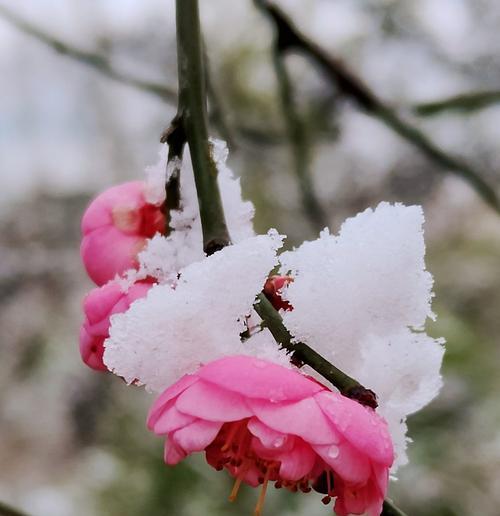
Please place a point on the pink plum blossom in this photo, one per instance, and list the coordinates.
(115, 227)
(99, 305)
(263, 422)
(272, 290)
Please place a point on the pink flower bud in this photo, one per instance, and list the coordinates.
(272, 290)
(115, 227)
(99, 305)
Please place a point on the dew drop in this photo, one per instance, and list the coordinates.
(333, 452)
(279, 441)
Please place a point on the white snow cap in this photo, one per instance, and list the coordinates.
(163, 257)
(175, 329)
(361, 300)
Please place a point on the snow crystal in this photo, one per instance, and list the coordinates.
(163, 257)
(175, 329)
(359, 297)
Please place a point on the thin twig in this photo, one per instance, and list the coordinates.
(303, 354)
(192, 112)
(465, 102)
(8, 510)
(352, 87)
(92, 59)
(299, 142)
(389, 509)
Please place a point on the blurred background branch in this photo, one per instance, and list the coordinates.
(92, 59)
(465, 102)
(290, 38)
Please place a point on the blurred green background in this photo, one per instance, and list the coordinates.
(73, 442)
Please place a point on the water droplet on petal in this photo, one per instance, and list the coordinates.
(333, 452)
(279, 441)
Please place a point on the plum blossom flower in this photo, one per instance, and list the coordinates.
(99, 305)
(272, 290)
(263, 422)
(115, 228)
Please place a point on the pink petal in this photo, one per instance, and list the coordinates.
(172, 453)
(302, 418)
(267, 436)
(298, 462)
(107, 252)
(99, 211)
(207, 401)
(346, 461)
(171, 392)
(196, 436)
(171, 420)
(361, 426)
(255, 378)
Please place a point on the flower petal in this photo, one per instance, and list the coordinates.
(172, 453)
(346, 461)
(171, 420)
(361, 426)
(207, 401)
(169, 393)
(302, 418)
(257, 378)
(297, 462)
(196, 436)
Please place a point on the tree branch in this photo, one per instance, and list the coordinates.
(465, 102)
(303, 354)
(91, 59)
(352, 87)
(299, 142)
(192, 113)
(7, 510)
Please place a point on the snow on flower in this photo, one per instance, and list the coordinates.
(98, 306)
(263, 423)
(164, 257)
(361, 299)
(115, 227)
(198, 319)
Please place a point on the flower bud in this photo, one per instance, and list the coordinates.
(99, 305)
(115, 227)
(272, 290)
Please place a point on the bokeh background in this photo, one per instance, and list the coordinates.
(72, 441)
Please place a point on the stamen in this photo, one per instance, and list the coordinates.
(237, 482)
(262, 496)
(328, 482)
(232, 433)
(236, 488)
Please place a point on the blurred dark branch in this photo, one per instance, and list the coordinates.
(7, 510)
(352, 87)
(389, 509)
(465, 102)
(217, 111)
(94, 60)
(299, 142)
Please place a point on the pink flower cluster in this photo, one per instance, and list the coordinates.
(115, 227)
(263, 422)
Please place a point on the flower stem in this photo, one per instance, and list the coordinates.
(389, 509)
(303, 354)
(192, 111)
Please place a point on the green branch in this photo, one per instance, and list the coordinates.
(192, 112)
(300, 144)
(352, 87)
(303, 354)
(466, 102)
